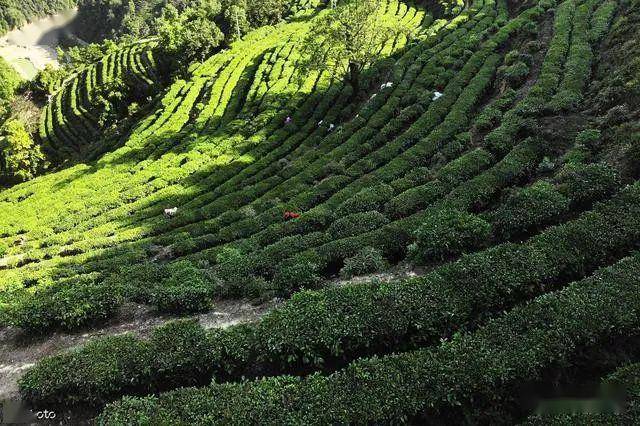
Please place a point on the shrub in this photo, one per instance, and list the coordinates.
(372, 198)
(586, 183)
(186, 290)
(528, 208)
(72, 304)
(9, 80)
(446, 233)
(632, 158)
(471, 377)
(181, 354)
(233, 273)
(135, 280)
(20, 157)
(415, 199)
(625, 379)
(356, 224)
(366, 261)
(341, 323)
(294, 274)
(516, 74)
(115, 363)
(590, 138)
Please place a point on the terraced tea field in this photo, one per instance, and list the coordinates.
(69, 123)
(495, 151)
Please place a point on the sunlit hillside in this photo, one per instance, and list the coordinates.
(439, 226)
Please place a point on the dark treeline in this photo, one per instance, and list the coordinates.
(100, 19)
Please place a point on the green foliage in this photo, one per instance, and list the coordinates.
(516, 74)
(233, 274)
(366, 261)
(356, 224)
(80, 56)
(346, 40)
(578, 65)
(115, 362)
(239, 24)
(15, 13)
(586, 183)
(76, 303)
(528, 208)
(20, 157)
(187, 289)
(342, 323)
(111, 19)
(49, 79)
(297, 273)
(89, 106)
(130, 20)
(472, 376)
(9, 81)
(372, 198)
(265, 12)
(192, 34)
(241, 140)
(447, 233)
(110, 101)
(590, 139)
(601, 20)
(180, 349)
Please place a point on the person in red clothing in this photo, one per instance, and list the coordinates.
(291, 215)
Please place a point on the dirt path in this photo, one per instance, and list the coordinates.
(33, 46)
(17, 353)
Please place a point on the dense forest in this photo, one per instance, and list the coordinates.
(14, 13)
(326, 212)
(100, 19)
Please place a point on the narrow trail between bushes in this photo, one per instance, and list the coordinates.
(19, 352)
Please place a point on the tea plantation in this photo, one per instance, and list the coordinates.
(492, 146)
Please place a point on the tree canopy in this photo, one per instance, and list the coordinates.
(348, 39)
(9, 80)
(20, 157)
(192, 33)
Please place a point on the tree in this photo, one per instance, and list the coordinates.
(265, 12)
(20, 157)
(79, 56)
(9, 80)
(235, 15)
(346, 40)
(193, 34)
(48, 80)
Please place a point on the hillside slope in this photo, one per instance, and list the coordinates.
(498, 148)
(226, 118)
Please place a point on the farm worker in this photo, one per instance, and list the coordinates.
(291, 215)
(169, 213)
(287, 120)
(437, 95)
